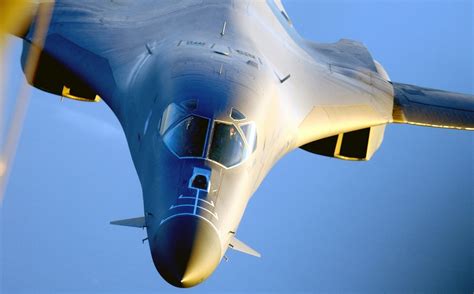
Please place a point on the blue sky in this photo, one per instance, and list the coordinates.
(402, 222)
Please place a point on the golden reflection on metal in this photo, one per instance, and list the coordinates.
(13, 134)
(435, 126)
(337, 150)
(349, 158)
(398, 114)
(67, 93)
(400, 118)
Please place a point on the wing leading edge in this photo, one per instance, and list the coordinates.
(434, 108)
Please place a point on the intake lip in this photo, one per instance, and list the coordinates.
(186, 250)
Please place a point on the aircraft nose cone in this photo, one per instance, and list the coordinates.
(186, 250)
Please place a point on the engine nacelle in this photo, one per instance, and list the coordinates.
(356, 145)
(56, 78)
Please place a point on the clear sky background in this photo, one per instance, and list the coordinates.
(403, 222)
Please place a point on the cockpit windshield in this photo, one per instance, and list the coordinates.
(187, 139)
(230, 143)
(227, 147)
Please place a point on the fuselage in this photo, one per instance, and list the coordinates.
(205, 123)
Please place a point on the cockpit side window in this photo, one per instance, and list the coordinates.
(249, 130)
(227, 147)
(172, 114)
(187, 139)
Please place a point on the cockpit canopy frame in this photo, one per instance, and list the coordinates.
(189, 135)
